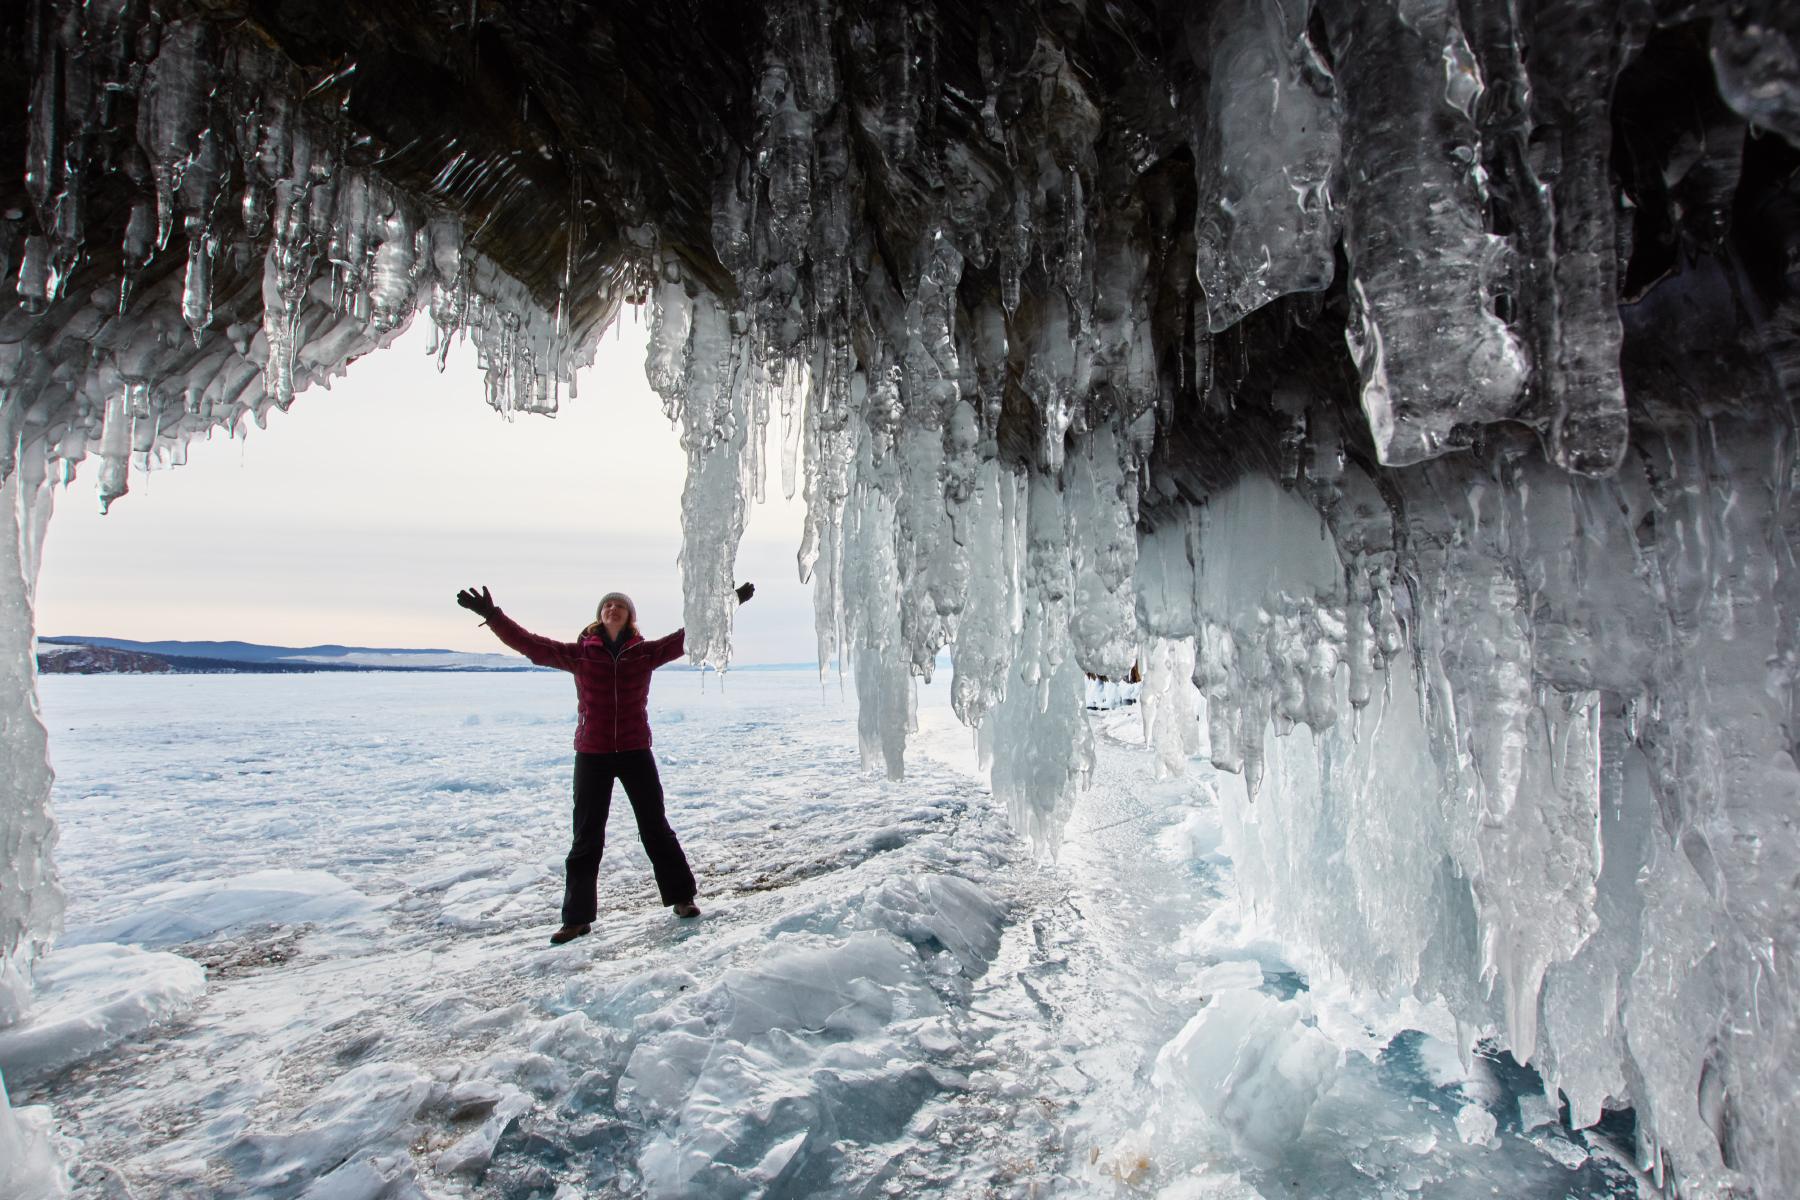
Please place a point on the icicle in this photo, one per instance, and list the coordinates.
(172, 114)
(196, 291)
(115, 448)
(348, 245)
(1042, 746)
(1264, 225)
(1171, 720)
(391, 276)
(734, 216)
(871, 581)
(715, 432)
(793, 400)
(982, 652)
(34, 275)
(31, 895)
(1101, 499)
(784, 158)
(1432, 355)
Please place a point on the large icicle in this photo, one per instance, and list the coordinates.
(1042, 746)
(711, 400)
(873, 595)
(1264, 223)
(1435, 360)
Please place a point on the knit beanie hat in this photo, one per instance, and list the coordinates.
(629, 606)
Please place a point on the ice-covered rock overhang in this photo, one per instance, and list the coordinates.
(1417, 378)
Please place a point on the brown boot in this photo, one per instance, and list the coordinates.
(687, 908)
(569, 933)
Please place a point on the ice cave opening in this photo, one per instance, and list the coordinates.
(1408, 387)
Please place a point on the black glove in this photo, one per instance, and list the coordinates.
(745, 591)
(480, 603)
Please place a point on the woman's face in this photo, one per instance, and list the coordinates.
(613, 615)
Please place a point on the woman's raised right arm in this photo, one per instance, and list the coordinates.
(540, 650)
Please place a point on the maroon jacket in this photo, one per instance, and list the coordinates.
(612, 691)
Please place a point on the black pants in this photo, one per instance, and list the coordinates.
(594, 775)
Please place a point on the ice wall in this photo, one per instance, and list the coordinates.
(1416, 379)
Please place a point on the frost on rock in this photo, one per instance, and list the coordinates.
(1415, 378)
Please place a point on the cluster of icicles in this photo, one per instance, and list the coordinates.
(1502, 780)
(228, 160)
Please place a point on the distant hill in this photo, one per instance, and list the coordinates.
(102, 655)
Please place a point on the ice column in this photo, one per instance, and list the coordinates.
(874, 594)
(31, 899)
(1530, 757)
(831, 443)
(1101, 498)
(932, 446)
(1528, 815)
(990, 526)
(1171, 718)
(1042, 746)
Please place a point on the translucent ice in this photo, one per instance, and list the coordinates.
(1249, 1063)
(170, 914)
(31, 898)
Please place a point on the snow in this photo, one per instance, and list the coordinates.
(887, 990)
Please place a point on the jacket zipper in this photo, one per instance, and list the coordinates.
(616, 655)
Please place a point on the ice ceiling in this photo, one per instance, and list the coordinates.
(1415, 377)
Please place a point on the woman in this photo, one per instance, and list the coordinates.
(611, 663)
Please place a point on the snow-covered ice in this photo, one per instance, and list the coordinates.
(887, 994)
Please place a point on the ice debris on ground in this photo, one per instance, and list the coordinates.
(90, 997)
(1249, 1062)
(885, 995)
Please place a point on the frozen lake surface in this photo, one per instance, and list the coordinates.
(306, 957)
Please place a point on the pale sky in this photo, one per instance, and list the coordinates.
(356, 515)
